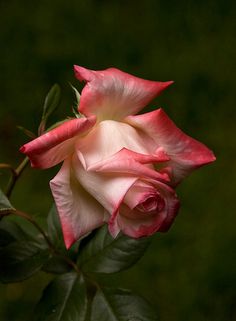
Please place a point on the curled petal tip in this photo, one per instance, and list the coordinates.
(22, 149)
(77, 70)
(83, 74)
(166, 84)
(212, 157)
(54, 146)
(127, 94)
(69, 242)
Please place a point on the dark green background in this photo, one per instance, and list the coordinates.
(189, 274)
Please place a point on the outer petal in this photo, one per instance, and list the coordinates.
(79, 212)
(114, 94)
(54, 146)
(186, 153)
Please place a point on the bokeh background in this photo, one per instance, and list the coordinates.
(190, 272)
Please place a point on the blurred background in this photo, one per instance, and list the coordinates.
(190, 272)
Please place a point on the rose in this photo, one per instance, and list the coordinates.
(119, 167)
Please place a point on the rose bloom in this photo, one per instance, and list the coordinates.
(118, 167)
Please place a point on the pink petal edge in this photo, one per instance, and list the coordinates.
(185, 152)
(54, 146)
(160, 224)
(79, 212)
(114, 94)
(132, 163)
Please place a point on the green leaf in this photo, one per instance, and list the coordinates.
(51, 101)
(56, 265)
(54, 228)
(5, 238)
(12, 228)
(120, 305)
(75, 112)
(5, 205)
(77, 94)
(20, 260)
(104, 254)
(22, 230)
(27, 132)
(64, 299)
(11, 231)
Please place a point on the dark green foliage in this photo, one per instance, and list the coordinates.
(5, 237)
(51, 101)
(56, 265)
(120, 305)
(64, 299)
(69, 297)
(50, 104)
(104, 254)
(11, 231)
(54, 228)
(20, 260)
(14, 229)
(5, 205)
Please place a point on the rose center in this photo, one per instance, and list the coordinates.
(152, 203)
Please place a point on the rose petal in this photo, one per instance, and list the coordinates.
(129, 162)
(172, 205)
(54, 146)
(137, 193)
(79, 212)
(149, 224)
(109, 137)
(114, 94)
(108, 190)
(186, 153)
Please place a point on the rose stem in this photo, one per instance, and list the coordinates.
(16, 173)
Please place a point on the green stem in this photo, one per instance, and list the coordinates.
(9, 167)
(22, 166)
(16, 173)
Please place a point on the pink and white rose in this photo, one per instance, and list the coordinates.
(118, 167)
